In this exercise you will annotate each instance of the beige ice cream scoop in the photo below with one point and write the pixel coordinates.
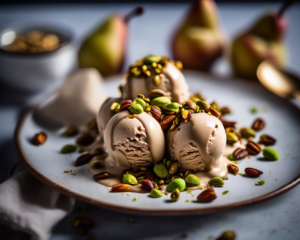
(134, 142)
(105, 114)
(198, 144)
(170, 79)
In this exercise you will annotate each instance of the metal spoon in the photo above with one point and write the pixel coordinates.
(279, 81)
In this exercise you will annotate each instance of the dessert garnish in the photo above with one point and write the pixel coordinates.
(83, 159)
(238, 154)
(259, 183)
(233, 169)
(247, 133)
(69, 148)
(39, 138)
(155, 193)
(207, 195)
(252, 172)
(267, 140)
(258, 124)
(175, 195)
(151, 66)
(253, 148)
(216, 182)
(225, 192)
(227, 235)
(270, 154)
(71, 131)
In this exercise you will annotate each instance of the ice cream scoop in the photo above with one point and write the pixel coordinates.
(105, 113)
(198, 144)
(155, 72)
(78, 100)
(134, 142)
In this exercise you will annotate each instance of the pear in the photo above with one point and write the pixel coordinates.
(104, 49)
(199, 41)
(262, 41)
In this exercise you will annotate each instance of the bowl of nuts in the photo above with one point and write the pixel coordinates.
(34, 57)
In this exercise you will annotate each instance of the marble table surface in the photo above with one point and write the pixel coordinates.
(277, 218)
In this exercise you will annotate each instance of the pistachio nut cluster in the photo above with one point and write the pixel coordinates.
(165, 172)
(151, 67)
(169, 114)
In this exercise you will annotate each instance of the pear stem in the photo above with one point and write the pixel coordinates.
(284, 7)
(135, 12)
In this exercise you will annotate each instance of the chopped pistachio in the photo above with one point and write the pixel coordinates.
(260, 182)
(253, 110)
(225, 192)
(69, 148)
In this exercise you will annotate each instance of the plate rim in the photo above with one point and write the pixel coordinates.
(128, 209)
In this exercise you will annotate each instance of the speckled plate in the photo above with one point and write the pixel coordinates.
(282, 121)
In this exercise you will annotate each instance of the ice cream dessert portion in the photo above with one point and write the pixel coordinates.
(134, 142)
(150, 74)
(198, 146)
(133, 139)
(106, 112)
(78, 100)
(155, 72)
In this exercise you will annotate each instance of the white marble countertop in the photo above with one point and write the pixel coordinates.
(277, 218)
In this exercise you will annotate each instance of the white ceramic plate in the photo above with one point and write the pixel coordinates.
(282, 121)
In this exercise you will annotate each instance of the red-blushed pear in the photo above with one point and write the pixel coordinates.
(200, 40)
(263, 41)
(104, 49)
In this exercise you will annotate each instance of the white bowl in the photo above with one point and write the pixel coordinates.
(35, 71)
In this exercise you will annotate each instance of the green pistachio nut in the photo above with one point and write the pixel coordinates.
(174, 168)
(151, 59)
(160, 101)
(203, 105)
(136, 108)
(231, 137)
(176, 183)
(115, 107)
(247, 132)
(156, 80)
(227, 235)
(232, 157)
(171, 107)
(168, 163)
(155, 193)
(216, 182)
(141, 102)
(157, 93)
(129, 179)
(161, 171)
(192, 180)
(175, 195)
(69, 148)
(215, 106)
(71, 131)
(270, 154)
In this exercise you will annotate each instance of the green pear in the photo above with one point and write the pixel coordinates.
(104, 49)
(199, 41)
(263, 41)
